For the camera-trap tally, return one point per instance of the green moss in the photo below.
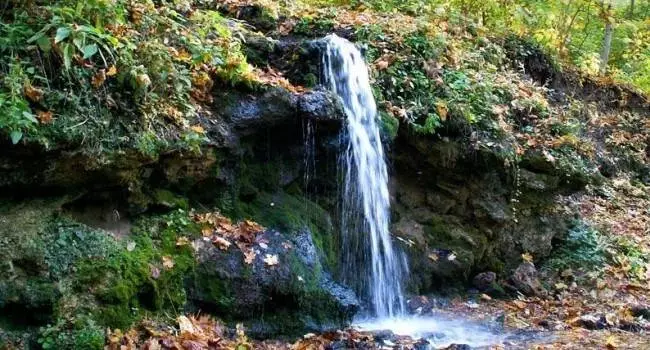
(169, 199)
(133, 281)
(83, 334)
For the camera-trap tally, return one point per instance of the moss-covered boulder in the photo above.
(281, 289)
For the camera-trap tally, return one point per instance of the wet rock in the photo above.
(419, 304)
(526, 281)
(458, 347)
(592, 322)
(248, 113)
(421, 344)
(227, 286)
(641, 311)
(484, 280)
(384, 336)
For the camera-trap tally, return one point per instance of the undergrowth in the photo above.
(104, 74)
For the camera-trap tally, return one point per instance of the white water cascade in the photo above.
(370, 263)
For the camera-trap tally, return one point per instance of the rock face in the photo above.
(288, 297)
(464, 211)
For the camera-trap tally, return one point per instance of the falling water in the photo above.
(370, 262)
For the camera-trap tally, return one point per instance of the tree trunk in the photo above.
(630, 13)
(607, 46)
(607, 42)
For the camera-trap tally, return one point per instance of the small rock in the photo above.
(458, 347)
(525, 280)
(641, 311)
(484, 280)
(421, 345)
(591, 322)
(384, 335)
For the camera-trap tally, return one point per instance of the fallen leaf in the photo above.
(185, 325)
(207, 231)
(182, 241)
(111, 71)
(198, 129)
(249, 256)
(33, 93)
(99, 78)
(434, 257)
(520, 304)
(168, 262)
(271, 260)
(441, 108)
(44, 117)
(527, 257)
(221, 242)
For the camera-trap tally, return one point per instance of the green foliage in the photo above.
(107, 70)
(17, 118)
(83, 334)
(583, 247)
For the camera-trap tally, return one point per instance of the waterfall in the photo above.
(369, 262)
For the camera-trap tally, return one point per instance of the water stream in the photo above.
(371, 263)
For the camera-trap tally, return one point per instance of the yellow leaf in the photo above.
(527, 257)
(198, 129)
(441, 108)
(111, 71)
(434, 257)
(182, 241)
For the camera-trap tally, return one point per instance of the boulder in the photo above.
(484, 280)
(290, 295)
(526, 281)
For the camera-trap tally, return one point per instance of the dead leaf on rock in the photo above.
(221, 242)
(271, 260)
(249, 256)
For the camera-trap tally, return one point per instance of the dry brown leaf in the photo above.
(99, 78)
(168, 262)
(44, 117)
(32, 93)
(221, 242)
(249, 256)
